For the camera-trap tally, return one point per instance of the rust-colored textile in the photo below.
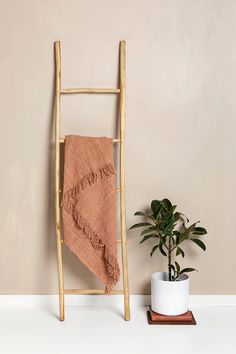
(89, 205)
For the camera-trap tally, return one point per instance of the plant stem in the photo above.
(169, 259)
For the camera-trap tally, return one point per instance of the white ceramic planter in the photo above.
(169, 297)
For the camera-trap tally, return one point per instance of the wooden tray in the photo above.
(172, 322)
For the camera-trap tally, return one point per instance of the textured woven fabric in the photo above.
(89, 205)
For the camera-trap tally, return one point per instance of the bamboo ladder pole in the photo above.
(57, 179)
(121, 189)
(122, 102)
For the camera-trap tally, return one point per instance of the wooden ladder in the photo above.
(120, 140)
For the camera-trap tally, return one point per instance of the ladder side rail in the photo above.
(122, 73)
(57, 179)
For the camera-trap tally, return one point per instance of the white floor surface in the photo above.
(32, 330)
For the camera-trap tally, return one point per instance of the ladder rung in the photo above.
(114, 140)
(90, 291)
(120, 242)
(90, 90)
(117, 189)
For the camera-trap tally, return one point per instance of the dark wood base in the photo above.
(174, 321)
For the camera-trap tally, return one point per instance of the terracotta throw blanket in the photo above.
(89, 205)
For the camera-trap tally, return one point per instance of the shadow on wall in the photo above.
(140, 261)
(50, 241)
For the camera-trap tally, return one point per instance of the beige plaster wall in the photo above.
(181, 126)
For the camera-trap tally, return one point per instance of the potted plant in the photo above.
(169, 228)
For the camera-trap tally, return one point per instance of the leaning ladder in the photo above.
(121, 189)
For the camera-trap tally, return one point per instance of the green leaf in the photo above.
(176, 216)
(170, 225)
(168, 233)
(140, 213)
(186, 234)
(173, 208)
(187, 270)
(150, 229)
(180, 251)
(161, 249)
(156, 207)
(141, 224)
(177, 235)
(174, 271)
(185, 217)
(177, 266)
(145, 238)
(192, 227)
(154, 250)
(167, 204)
(199, 243)
(200, 231)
